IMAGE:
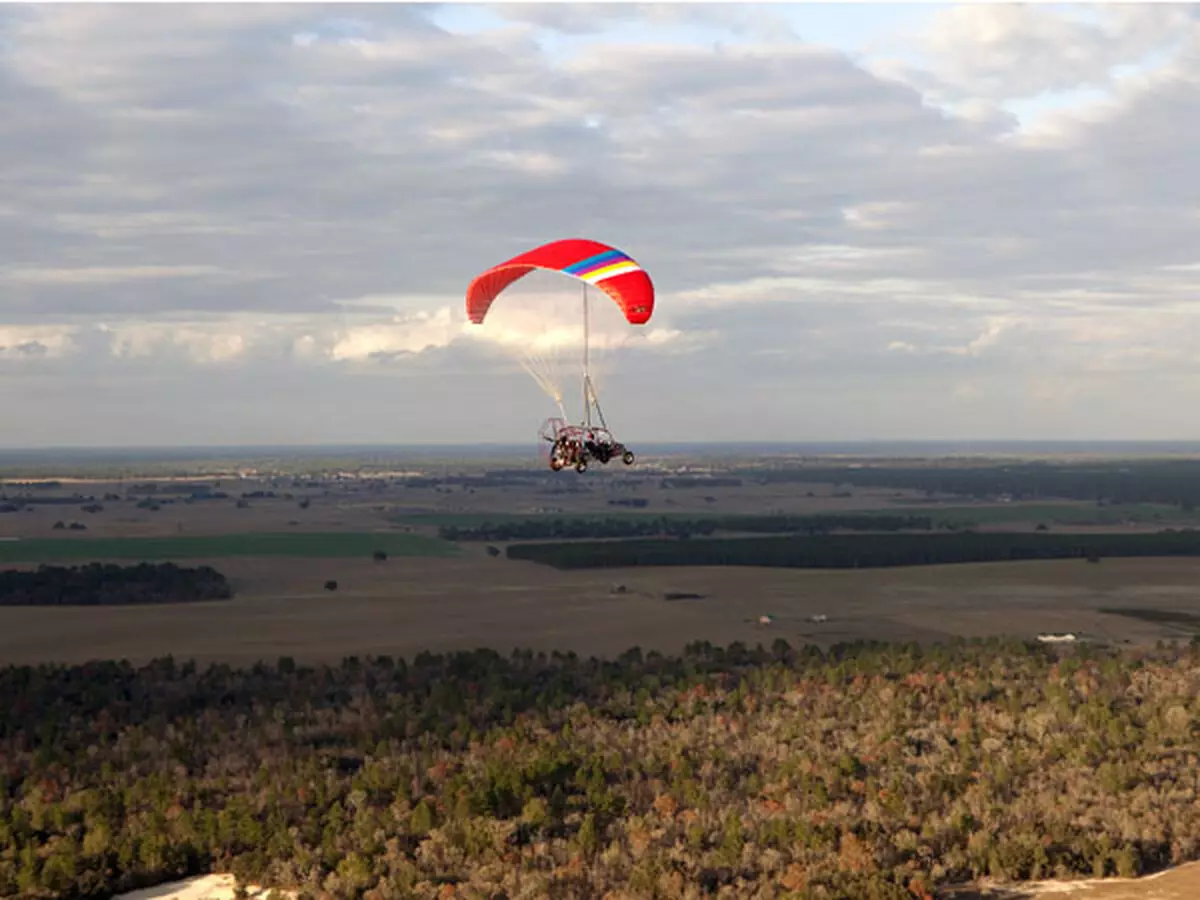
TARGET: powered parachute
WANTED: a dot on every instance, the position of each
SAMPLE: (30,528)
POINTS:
(592,265)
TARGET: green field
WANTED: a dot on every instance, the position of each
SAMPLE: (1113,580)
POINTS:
(311,545)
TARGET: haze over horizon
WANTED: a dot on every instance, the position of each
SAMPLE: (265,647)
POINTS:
(254,224)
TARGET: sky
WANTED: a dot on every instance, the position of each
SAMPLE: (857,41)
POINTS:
(255,224)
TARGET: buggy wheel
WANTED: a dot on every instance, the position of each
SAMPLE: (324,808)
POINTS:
(627,457)
(556,464)
(581,466)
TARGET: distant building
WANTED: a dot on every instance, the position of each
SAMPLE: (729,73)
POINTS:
(1057,638)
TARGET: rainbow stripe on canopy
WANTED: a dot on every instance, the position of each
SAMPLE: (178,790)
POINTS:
(603,266)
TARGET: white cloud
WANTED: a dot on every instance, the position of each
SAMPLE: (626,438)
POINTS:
(32,342)
(197,342)
(402,335)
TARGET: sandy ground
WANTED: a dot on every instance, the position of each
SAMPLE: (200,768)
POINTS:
(202,887)
(403,606)
(1182,883)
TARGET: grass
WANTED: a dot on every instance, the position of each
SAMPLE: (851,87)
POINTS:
(336,545)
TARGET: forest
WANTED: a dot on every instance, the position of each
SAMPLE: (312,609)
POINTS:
(851,551)
(868,771)
(100,584)
(677,526)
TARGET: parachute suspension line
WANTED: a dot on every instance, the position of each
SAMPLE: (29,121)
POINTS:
(599,411)
(587,378)
(590,399)
(541,372)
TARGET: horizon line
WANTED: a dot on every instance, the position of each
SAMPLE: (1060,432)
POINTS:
(522,446)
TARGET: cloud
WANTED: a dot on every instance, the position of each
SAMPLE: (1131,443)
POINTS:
(18,343)
(400,336)
(298,195)
(1001,51)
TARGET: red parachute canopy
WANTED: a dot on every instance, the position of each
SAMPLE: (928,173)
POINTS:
(614,272)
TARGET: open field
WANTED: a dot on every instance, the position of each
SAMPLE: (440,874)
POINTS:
(333,508)
(363,506)
(280,537)
(404,606)
(446,496)
(314,545)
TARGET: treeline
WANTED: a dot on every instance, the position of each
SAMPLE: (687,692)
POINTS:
(493,478)
(192,488)
(870,772)
(670,526)
(23,500)
(699,481)
(852,551)
(90,504)
(100,584)
(1174,482)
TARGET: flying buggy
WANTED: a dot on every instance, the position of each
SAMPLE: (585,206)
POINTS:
(577,445)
